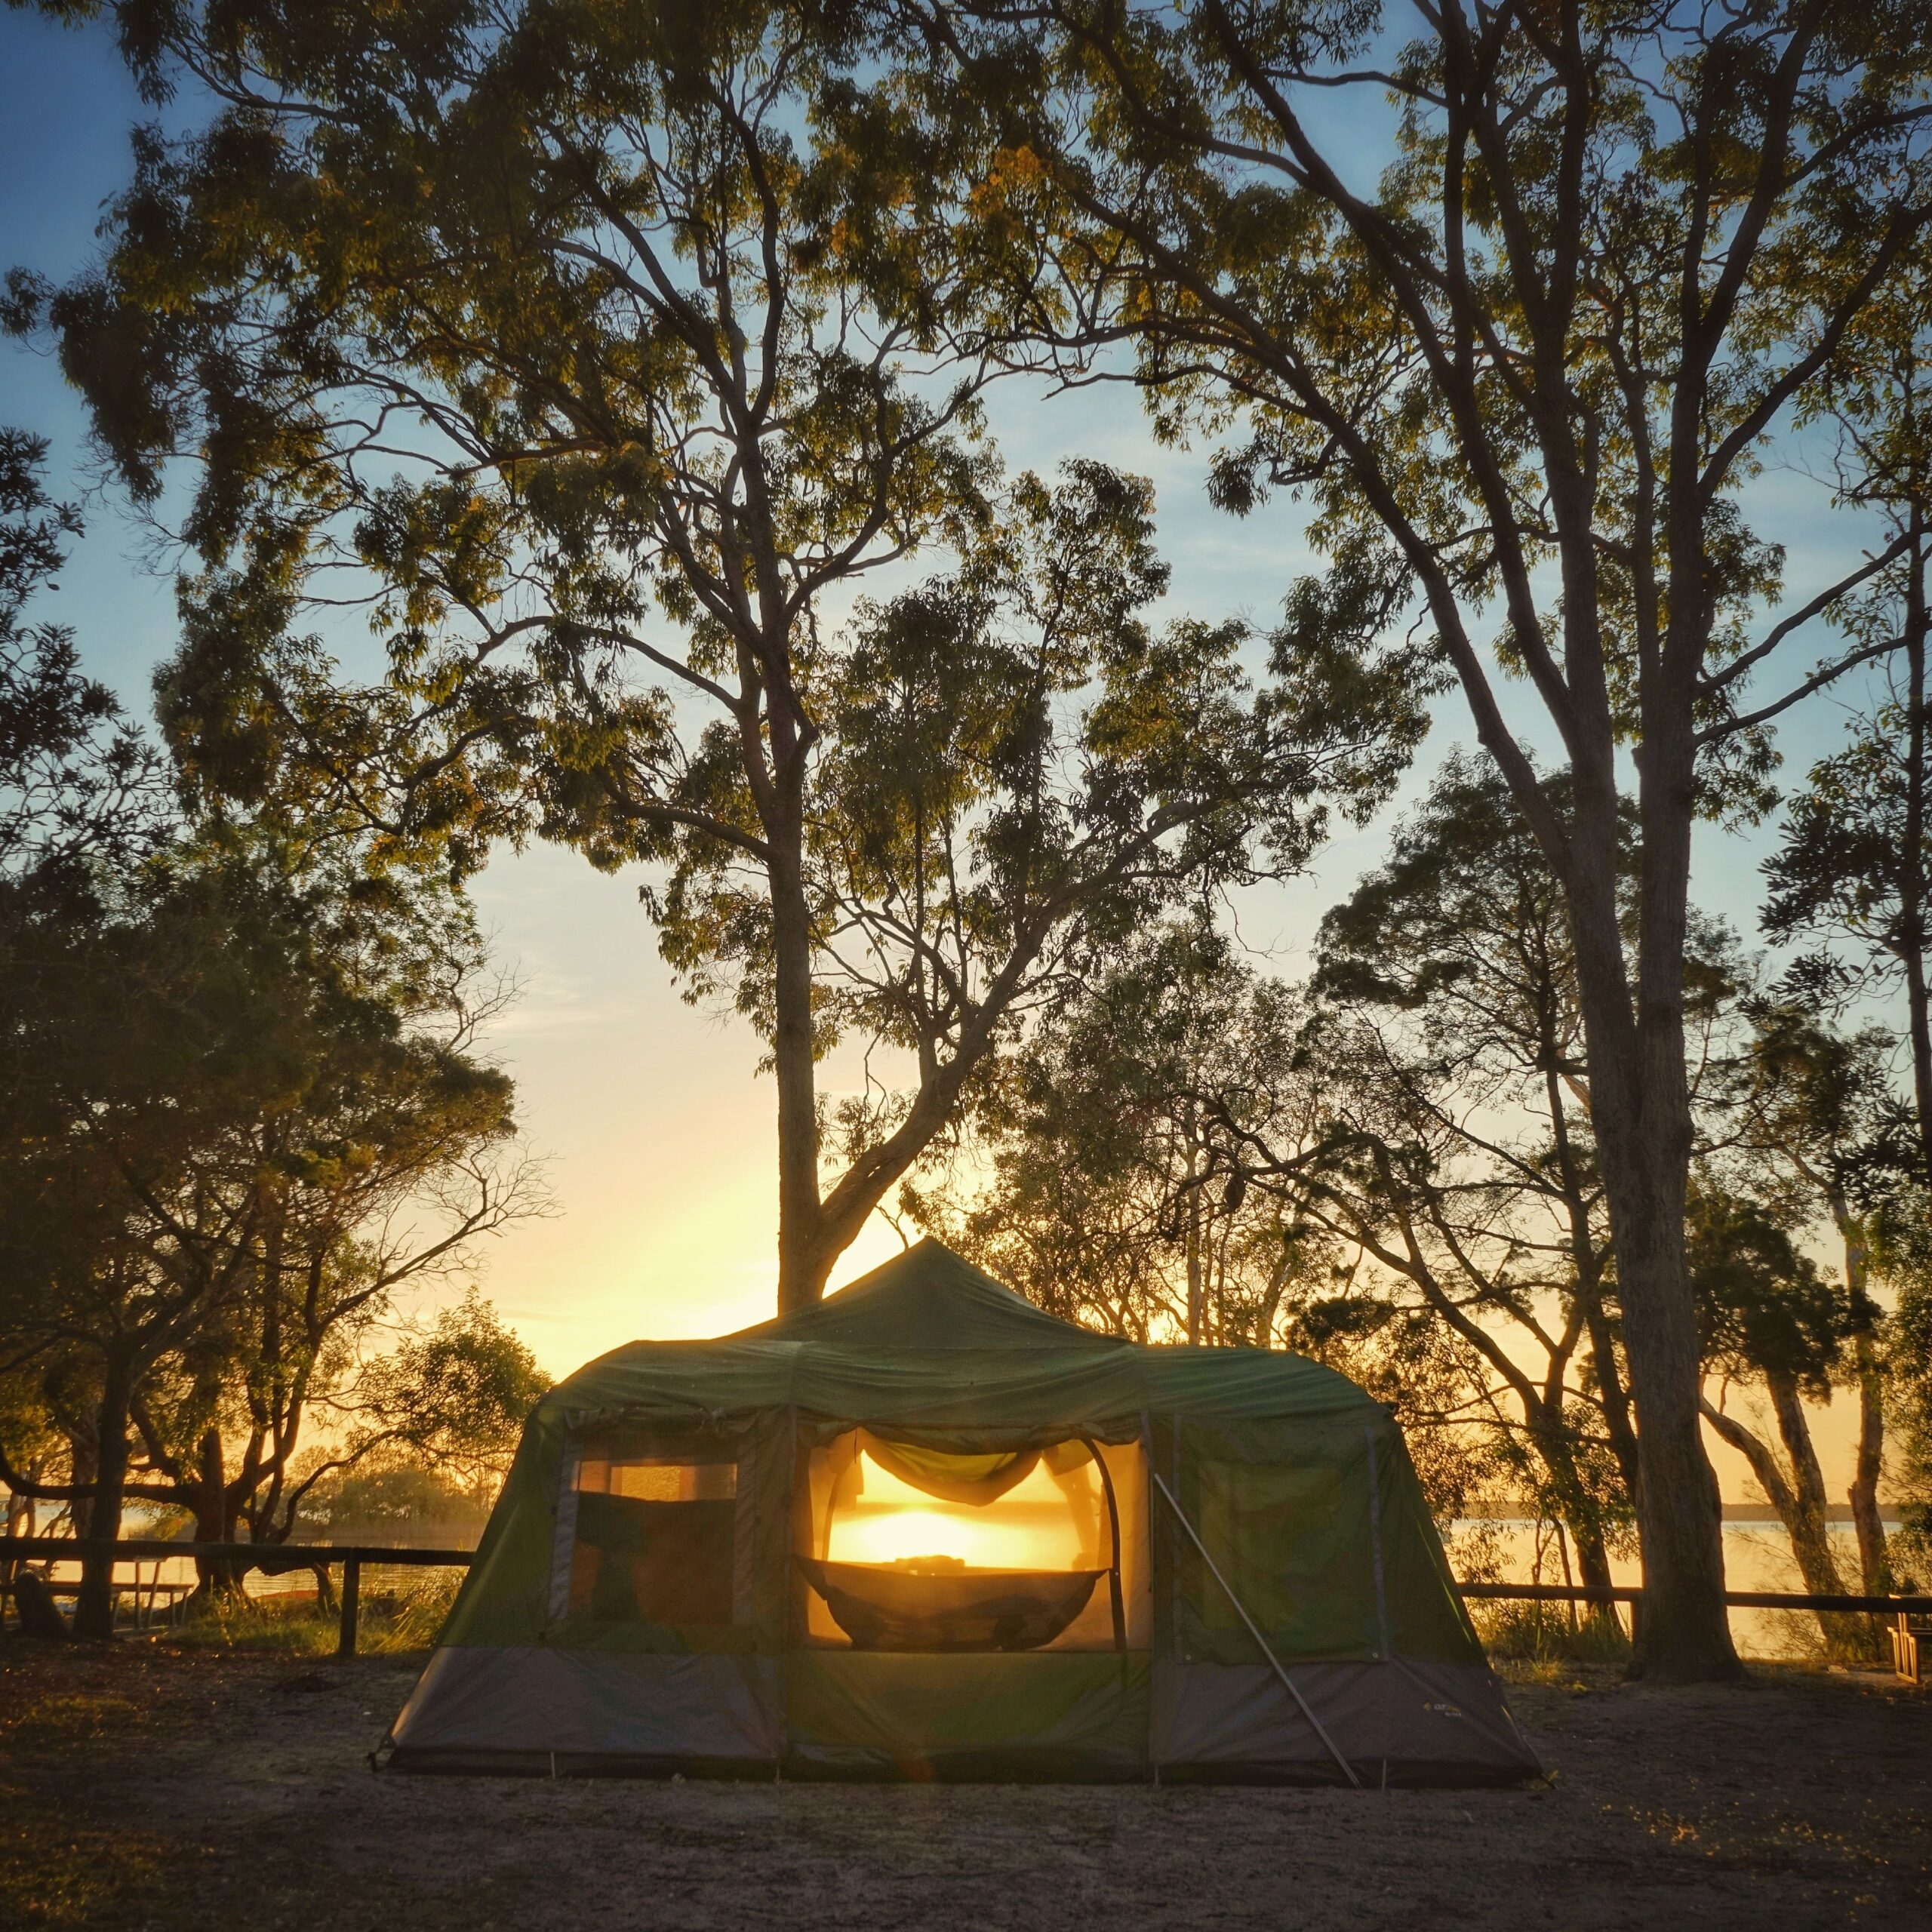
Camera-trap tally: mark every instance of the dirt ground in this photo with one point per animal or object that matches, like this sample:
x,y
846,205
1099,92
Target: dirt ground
x,y
145,1789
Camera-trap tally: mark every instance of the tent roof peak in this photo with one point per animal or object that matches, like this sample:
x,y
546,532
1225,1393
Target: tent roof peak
x,y
928,1298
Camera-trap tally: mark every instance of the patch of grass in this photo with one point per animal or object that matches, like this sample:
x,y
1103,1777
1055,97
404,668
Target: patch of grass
x,y
294,1626
1541,1633
54,1873
58,1718
411,1618
392,1620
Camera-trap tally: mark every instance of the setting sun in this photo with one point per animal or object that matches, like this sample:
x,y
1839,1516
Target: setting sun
x,y
1042,1523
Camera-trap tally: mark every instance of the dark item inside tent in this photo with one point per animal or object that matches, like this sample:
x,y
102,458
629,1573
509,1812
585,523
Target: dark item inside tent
x,y
891,1607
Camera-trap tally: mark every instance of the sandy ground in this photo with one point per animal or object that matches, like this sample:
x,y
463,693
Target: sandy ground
x,y
139,1789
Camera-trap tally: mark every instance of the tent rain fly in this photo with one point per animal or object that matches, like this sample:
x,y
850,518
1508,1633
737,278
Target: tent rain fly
x,y
925,1530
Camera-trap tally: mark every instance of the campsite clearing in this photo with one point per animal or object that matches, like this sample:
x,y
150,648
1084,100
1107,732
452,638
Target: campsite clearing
x,y
143,1787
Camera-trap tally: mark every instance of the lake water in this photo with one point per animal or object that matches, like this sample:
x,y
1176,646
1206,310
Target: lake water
x,y
1756,1556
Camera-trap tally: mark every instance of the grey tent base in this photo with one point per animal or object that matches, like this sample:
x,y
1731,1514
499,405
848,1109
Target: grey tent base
x,y
543,1712
1028,1767
952,1767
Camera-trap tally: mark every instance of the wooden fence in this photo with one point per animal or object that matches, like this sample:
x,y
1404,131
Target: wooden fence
x,y
272,1559
278,1559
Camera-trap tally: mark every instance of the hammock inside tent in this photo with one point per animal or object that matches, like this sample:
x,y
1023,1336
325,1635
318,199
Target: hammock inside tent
x,y
915,1549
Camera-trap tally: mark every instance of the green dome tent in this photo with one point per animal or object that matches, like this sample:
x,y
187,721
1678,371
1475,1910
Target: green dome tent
x,y
924,1529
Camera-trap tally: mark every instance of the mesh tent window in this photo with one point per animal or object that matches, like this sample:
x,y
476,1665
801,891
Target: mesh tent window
x,y
652,1532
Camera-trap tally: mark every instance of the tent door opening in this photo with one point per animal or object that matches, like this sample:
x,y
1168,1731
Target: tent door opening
x,y
909,1547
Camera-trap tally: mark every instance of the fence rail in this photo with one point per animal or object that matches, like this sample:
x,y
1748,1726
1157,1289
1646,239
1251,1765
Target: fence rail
x,y
277,1559
1915,1606
273,1559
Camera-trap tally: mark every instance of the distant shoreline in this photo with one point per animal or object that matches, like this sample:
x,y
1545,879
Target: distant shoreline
x,y
1760,1515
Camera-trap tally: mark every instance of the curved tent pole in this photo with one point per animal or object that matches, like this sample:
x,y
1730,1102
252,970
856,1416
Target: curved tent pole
x,y
1255,1631
1113,1521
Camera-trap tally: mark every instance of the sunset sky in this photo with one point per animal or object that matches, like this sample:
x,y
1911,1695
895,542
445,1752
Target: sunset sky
x,y
658,1131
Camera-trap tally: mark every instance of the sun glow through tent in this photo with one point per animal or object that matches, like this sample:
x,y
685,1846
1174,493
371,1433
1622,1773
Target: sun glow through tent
x,y
1035,1525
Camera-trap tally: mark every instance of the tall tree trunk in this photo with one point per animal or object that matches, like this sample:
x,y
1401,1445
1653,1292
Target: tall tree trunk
x,y
214,1518
1613,1398
1810,1534
1684,1634
1874,1564
804,1257
94,1614
1592,1556
1640,1109
1593,1569
1912,859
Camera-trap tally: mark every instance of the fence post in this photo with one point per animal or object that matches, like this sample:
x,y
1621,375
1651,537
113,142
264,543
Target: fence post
x,y
352,1589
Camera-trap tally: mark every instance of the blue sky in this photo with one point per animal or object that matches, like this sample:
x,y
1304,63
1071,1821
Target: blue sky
x,y
659,1131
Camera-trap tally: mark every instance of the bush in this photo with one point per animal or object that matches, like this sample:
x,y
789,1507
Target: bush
x,y
394,1502
1544,1633
402,1612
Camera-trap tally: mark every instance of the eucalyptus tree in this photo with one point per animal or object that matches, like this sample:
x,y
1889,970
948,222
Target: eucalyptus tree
x,y
1770,1319
1448,1039
531,328
1853,869
382,1164
1516,299
231,1132
1818,1131
1106,1187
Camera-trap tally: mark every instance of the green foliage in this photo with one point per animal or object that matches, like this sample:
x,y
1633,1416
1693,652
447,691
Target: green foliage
x,y
1765,1309
604,429
1106,1135
238,1124
1819,1105
1850,862
77,783
456,1396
